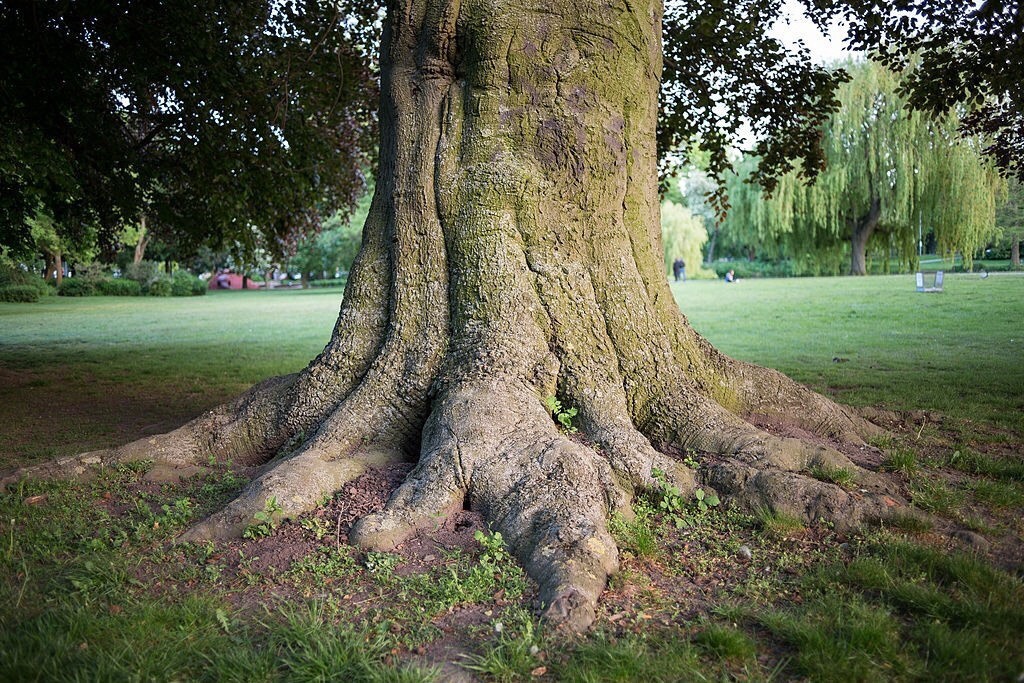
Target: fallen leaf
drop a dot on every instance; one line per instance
(539, 671)
(35, 500)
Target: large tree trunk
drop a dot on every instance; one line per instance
(512, 253)
(861, 232)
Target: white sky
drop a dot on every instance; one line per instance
(824, 48)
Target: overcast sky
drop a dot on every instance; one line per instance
(824, 48)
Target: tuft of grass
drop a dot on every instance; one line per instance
(914, 524)
(935, 495)
(631, 658)
(839, 476)
(512, 655)
(725, 642)
(900, 610)
(998, 494)
(901, 460)
(639, 535)
(778, 524)
(972, 462)
(840, 639)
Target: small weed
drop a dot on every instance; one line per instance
(561, 414)
(690, 459)
(671, 505)
(381, 565)
(316, 526)
(706, 501)
(840, 476)
(324, 566)
(265, 520)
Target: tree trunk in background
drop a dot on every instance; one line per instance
(711, 247)
(1015, 250)
(512, 253)
(53, 268)
(140, 246)
(859, 236)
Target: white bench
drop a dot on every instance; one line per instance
(936, 285)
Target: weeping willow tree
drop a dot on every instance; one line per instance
(683, 235)
(890, 175)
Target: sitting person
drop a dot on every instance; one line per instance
(730, 276)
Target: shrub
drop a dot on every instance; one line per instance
(14, 276)
(159, 288)
(91, 272)
(19, 293)
(74, 286)
(149, 275)
(334, 282)
(185, 283)
(118, 287)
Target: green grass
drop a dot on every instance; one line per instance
(87, 373)
(76, 602)
(957, 352)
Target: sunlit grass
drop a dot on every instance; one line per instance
(875, 341)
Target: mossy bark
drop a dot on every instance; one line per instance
(511, 253)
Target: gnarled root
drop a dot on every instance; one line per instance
(549, 496)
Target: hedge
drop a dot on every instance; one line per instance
(19, 293)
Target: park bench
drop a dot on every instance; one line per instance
(936, 285)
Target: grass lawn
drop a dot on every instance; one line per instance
(91, 587)
(875, 341)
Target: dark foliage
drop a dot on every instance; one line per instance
(244, 121)
(724, 74)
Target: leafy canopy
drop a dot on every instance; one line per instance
(923, 176)
(248, 121)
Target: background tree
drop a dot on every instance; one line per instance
(245, 121)
(335, 247)
(1010, 219)
(683, 235)
(889, 171)
(950, 54)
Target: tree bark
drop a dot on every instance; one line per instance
(1015, 250)
(861, 232)
(53, 267)
(140, 246)
(511, 253)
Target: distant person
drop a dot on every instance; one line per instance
(730, 276)
(679, 269)
(223, 281)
